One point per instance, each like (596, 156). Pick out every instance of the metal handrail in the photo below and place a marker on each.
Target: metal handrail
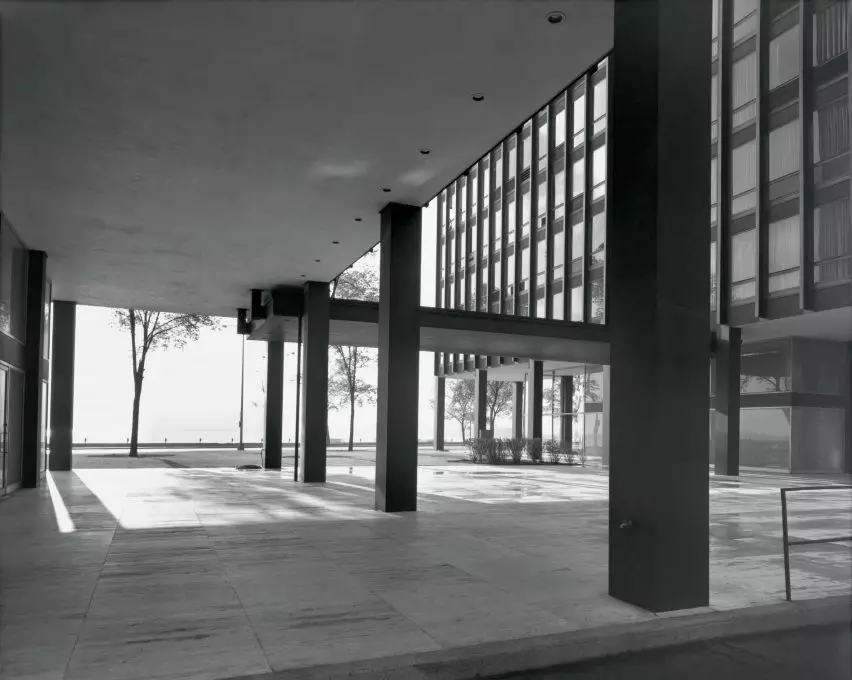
(803, 541)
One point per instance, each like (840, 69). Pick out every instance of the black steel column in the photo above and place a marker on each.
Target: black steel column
(62, 385)
(273, 418)
(726, 414)
(440, 412)
(34, 370)
(566, 402)
(535, 393)
(315, 382)
(399, 365)
(605, 417)
(480, 420)
(659, 285)
(518, 410)
(847, 461)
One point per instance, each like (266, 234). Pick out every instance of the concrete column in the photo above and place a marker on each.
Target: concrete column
(605, 398)
(518, 410)
(35, 371)
(726, 414)
(62, 385)
(566, 393)
(315, 382)
(659, 290)
(440, 412)
(399, 360)
(480, 415)
(274, 415)
(535, 394)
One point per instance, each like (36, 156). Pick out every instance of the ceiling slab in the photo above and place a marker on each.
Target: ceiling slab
(174, 155)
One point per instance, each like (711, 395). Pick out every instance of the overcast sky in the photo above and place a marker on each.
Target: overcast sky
(195, 392)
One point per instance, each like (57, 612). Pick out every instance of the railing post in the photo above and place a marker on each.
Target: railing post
(786, 543)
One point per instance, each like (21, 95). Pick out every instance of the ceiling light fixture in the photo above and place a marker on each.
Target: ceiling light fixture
(386, 190)
(357, 219)
(478, 97)
(425, 152)
(317, 260)
(335, 242)
(555, 18)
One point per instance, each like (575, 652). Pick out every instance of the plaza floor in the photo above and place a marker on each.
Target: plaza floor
(150, 569)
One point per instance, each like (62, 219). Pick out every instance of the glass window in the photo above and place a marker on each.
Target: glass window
(527, 144)
(830, 31)
(784, 252)
(559, 132)
(498, 274)
(525, 265)
(577, 303)
(579, 119)
(598, 238)
(578, 178)
(817, 436)
(474, 191)
(541, 257)
(542, 138)
(765, 368)
(498, 169)
(819, 366)
(831, 130)
(558, 306)
(498, 226)
(833, 242)
(599, 106)
(713, 287)
(596, 301)
(599, 172)
(526, 200)
(542, 203)
(510, 219)
(744, 177)
(715, 12)
(784, 150)
(714, 97)
(13, 284)
(559, 189)
(742, 8)
(513, 156)
(558, 254)
(743, 265)
(714, 190)
(765, 437)
(577, 240)
(784, 57)
(744, 89)
(486, 183)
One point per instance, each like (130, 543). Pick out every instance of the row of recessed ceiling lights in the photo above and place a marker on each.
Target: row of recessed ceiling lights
(552, 18)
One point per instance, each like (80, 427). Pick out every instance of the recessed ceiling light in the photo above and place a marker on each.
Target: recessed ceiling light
(386, 190)
(317, 260)
(555, 18)
(302, 275)
(425, 152)
(478, 97)
(335, 242)
(357, 219)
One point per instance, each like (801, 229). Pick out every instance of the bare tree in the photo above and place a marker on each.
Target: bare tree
(498, 400)
(461, 403)
(346, 387)
(150, 331)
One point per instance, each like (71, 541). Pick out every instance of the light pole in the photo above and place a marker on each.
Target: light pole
(241, 446)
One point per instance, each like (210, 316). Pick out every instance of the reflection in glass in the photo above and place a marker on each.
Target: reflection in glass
(765, 437)
(784, 57)
(784, 150)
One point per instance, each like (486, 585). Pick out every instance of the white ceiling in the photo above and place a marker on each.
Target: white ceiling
(174, 155)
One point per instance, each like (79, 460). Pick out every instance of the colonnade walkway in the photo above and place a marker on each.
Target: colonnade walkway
(144, 570)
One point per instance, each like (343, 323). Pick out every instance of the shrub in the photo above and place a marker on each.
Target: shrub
(568, 453)
(493, 452)
(581, 454)
(477, 449)
(514, 446)
(553, 450)
(534, 449)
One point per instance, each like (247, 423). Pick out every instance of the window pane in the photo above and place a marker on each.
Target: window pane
(744, 168)
(598, 238)
(578, 178)
(558, 306)
(765, 368)
(512, 160)
(541, 257)
(714, 98)
(742, 8)
(559, 132)
(765, 437)
(541, 203)
(742, 256)
(559, 189)
(784, 244)
(786, 281)
(526, 200)
(596, 301)
(558, 254)
(713, 275)
(833, 242)
(831, 130)
(599, 106)
(784, 150)
(714, 185)
(527, 144)
(599, 171)
(577, 303)
(577, 239)
(745, 80)
(579, 115)
(830, 31)
(542, 139)
(784, 57)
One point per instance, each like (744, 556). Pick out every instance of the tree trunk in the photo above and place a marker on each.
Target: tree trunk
(134, 426)
(351, 419)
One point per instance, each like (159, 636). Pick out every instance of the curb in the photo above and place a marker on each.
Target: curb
(559, 649)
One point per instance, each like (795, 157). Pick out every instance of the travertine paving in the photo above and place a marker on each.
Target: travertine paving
(168, 572)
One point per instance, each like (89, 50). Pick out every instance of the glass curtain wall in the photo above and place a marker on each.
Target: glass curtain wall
(523, 231)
